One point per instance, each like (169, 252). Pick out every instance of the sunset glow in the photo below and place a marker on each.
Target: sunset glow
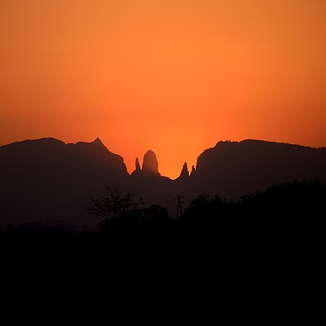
(175, 77)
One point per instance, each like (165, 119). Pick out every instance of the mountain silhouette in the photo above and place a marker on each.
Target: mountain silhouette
(48, 180)
(232, 169)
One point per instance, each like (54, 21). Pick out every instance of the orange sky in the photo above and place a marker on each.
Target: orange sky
(173, 76)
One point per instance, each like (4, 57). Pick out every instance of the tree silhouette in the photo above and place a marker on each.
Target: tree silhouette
(117, 204)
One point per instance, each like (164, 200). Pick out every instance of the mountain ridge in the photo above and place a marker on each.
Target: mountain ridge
(46, 179)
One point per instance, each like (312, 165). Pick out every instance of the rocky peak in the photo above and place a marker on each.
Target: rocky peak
(98, 142)
(150, 164)
(184, 171)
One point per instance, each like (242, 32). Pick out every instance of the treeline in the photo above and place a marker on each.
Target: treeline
(284, 210)
(290, 213)
(280, 229)
(281, 204)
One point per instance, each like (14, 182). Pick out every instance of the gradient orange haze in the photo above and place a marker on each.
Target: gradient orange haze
(171, 76)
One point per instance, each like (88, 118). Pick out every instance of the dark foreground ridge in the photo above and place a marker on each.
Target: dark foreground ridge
(281, 209)
(269, 246)
(286, 222)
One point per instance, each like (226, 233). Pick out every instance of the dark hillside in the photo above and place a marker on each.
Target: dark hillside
(47, 180)
(232, 169)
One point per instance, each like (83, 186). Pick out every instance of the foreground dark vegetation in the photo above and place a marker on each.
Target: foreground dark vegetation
(267, 245)
(266, 250)
(291, 213)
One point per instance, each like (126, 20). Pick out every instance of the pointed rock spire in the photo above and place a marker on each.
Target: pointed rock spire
(150, 164)
(184, 171)
(137, 165)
